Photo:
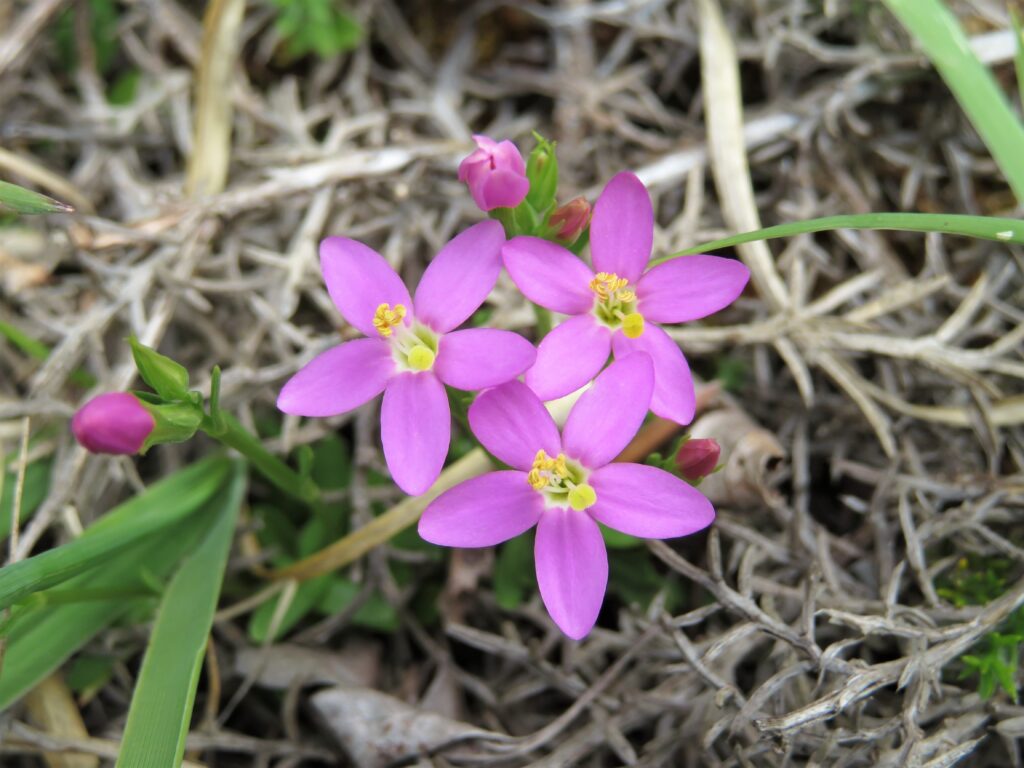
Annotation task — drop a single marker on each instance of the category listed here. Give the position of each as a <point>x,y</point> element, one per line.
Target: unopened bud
<point>542,171</point>
<point>115,422</point>
<point>569,220</point>
<point>495,174</point>
<point>698,458</point>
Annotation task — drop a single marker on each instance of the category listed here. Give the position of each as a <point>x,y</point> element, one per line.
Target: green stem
<point>543,321</point>
<point>228,431</point>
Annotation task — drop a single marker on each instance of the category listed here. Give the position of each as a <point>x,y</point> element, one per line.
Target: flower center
<point>413,346</point>
<point>561,482</point>
<point>615,304</point>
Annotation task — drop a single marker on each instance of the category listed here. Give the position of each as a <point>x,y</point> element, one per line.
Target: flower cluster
<point>566,483</point>
<point>414,348</point>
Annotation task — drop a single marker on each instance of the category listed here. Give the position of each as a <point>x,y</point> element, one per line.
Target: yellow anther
<point>608,285</point>
<point>633,326</point>
<point>536,480</point>
<point>421,357</point>
<point>582,497</point>
<point>386,318</point>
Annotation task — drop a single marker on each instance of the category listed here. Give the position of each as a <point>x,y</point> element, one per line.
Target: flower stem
<point>543,320</point>
<point>225,428</point>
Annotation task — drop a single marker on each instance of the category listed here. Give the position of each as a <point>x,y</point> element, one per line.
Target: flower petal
<point>513,425</point>
<point>648,502</point>
<point>607,415</point>
<point>622,229</point>
<point>482,512</point>
<point>459,278</point>
<point>674,397</point>
<point>359,280</point>
<point>689,288</point>
<point>477,358</point>
<point>549,275</point>
<point>338,380</point>
<point>415,427</point>
<point>572,569</point>
<point>500,189</point>
<point>569,357</point>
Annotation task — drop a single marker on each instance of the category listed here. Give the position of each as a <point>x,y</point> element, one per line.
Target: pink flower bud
<point>571,219</point>
<point>495,174</point>
<point>115,422</point>
<point>698,458</point>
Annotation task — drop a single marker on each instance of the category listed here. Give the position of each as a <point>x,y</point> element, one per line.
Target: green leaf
<point>39,351</point>
<point>616,540</point>
<point>514,572</point>
<point>376,613</point>
<point>166,503</point>
<point>161,708</point>
<point>37,484</point>
<point>21,200</point>
<point>936,29</point>
<point>982,227</point>
<point>41,639</point>
<point>1018,56</point>
<point>167,378</point>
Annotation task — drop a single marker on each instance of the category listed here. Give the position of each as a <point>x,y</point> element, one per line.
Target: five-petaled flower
<point>618,308</point>
<point>413,349</point>
<point>495,173</point>
<point>565,485</point>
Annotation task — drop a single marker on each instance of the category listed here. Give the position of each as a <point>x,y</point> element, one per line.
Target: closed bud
<point>495,174</point>
<point>698,458</point>
<point>542,171</point>
<point>115,422</point>
<point>568,221</point>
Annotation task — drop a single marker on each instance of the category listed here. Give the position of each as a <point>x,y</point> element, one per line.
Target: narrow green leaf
<point>44,638</point>
<point>167,502</point>
<point>21,200</point>
<point>39,351</point>
<point>37,483</point>
<point>982,227</point>
<point>161,708</point>
<point>1018,57</point>
<point>936,29</point>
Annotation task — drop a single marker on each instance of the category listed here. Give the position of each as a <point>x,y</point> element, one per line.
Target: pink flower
<point>698,458</point>
<point>618,309</point>
<point>495,173</point>
<point>412,350</point>
<point>565,485</point>
<point>115,422</point>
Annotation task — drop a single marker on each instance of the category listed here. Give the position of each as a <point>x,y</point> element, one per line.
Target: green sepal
<point>542,171</point>
<point>168,378</point>
<point>175,422</point>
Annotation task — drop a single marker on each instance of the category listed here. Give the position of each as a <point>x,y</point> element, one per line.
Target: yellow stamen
<point>420,357</point>
<point>608,285</point>
<point>633,326</point>
<point>386,318</point>
<point>582,497</point>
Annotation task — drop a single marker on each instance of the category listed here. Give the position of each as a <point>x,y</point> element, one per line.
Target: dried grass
<point>888,365</point>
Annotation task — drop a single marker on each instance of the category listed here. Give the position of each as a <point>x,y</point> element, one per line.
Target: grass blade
<point>161,708</point>
<point>44,638</point>
<point>936,30</point>
<point>167,502</point>
<point>21,200</point>
<point>982,227</point>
